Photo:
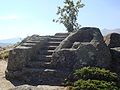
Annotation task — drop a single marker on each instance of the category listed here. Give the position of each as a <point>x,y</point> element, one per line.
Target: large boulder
<point>115,63</point>
<point>112,40</point>
<point>85,47</point>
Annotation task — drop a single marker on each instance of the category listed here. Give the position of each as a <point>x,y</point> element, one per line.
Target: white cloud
<point>10,17</point>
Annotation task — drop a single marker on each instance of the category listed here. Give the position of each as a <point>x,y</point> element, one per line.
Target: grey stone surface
<point>115,63</point>
<point>22,54</point>
<point>49,60</point>
<point>82,48</point>
<point>31,61</point>
<point>86,34</point>
<point>92,54</point>
<point>64,58</point>
<point>16,62</point>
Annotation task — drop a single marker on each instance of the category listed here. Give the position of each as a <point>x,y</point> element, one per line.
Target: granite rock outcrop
<point>50,60</point>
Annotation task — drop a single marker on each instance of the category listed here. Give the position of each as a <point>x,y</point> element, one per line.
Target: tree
<point>68,14</point>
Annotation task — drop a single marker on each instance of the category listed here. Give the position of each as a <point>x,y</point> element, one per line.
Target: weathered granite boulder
<point>115,63</point>
<point>90,55</point>
<point>64,58</point>
<point>85,34</point>
<point>82,48</point>
<point>112,40</point>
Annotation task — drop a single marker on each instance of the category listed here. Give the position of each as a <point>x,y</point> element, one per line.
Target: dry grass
<point>4,54</point>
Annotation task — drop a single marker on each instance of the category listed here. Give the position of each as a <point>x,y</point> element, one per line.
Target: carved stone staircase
<point>40,70</point>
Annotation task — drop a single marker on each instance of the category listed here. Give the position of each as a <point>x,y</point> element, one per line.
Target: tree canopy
<point>67,15</point>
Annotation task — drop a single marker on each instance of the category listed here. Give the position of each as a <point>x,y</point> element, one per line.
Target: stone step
<point>46,58</point>
<point>56,39</point>
<point>46,52</point>
<point>52,47</point>
<point>29,41</point>
<point>28,44</point>
<point>49,47</point>
<point>45,72</point>
<point>23,47</point>
<point>42,58</point>
<point>61,34</point>
<point>44,81</point>
<point>53,43</point>
<point>39,64</point>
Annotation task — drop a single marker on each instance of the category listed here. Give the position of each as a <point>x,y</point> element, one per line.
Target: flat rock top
<point>7,85</point>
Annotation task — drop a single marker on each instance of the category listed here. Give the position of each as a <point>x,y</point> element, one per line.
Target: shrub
<point>96,73</point>
<point>94,85</point>
<point>94,78</point>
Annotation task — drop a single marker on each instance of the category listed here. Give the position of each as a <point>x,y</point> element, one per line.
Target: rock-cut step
<point>49,47</point>
<point>61,35</point>
<point>28,44</point>
<point>45,72</point>
<point>29,41</point>
<point>39,64</point>
<point>46,52</point>
<point>46,58</point>
<point>22,47</point>
<point>53,81</point>
<point>41,76</point>
<point>57,39</point>
<point>52,47</point>
<point>53,43</point>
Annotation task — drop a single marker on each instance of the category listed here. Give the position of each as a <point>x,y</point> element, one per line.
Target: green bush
<point>94,78</point>
<point>94,85</point>
<point>95,73</point>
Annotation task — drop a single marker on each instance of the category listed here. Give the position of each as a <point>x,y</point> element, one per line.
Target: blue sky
<point>20,18</point>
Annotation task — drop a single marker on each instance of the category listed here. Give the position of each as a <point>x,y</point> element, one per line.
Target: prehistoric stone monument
<point>51,59</point>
